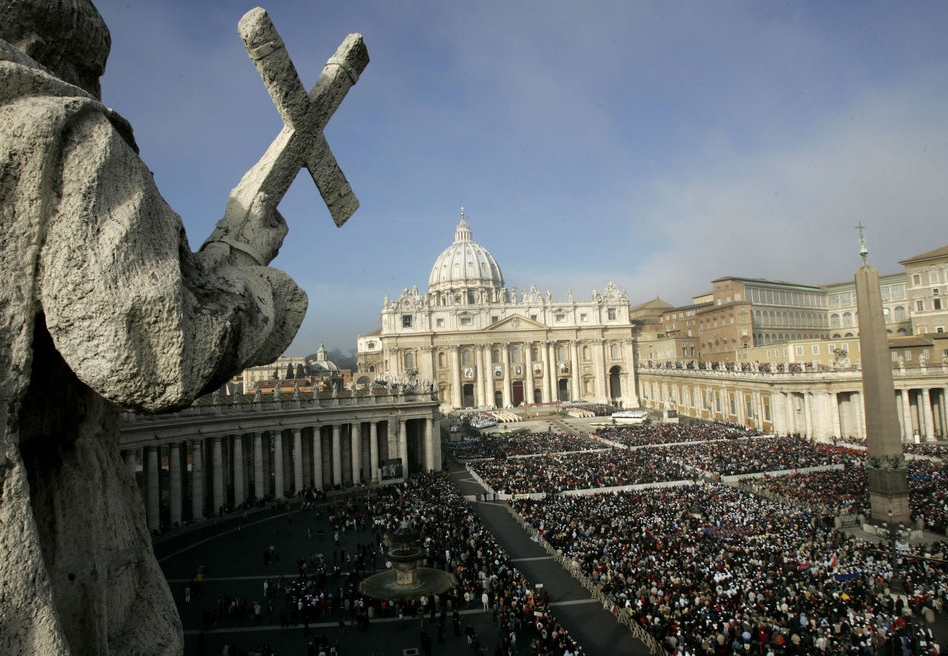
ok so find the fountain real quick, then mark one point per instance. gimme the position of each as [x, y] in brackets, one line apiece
[406, 579]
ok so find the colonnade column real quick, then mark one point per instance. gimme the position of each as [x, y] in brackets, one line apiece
[576, 392]
[403, 445]
[836, 428]
[374, 451]
[429, 446]
[131, 461]
[927, 414]
[239, 469]
[336, 455]
[259, 487]
[278, 481]
[907, 430]
[808, 413]
[153, 489]
[298, 483]
[174, 472]
[355, 438]
[859, 414]
[217, 473]
[317, 458]
[197, 481]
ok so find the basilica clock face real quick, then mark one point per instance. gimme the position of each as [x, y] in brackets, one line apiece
[469, 372]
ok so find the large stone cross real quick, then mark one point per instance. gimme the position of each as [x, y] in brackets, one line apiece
[301, 142]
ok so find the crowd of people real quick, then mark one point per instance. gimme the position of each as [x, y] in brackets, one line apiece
[667, 433]
[558, 472]
[712, 569]
[326, 588]
[517, 443]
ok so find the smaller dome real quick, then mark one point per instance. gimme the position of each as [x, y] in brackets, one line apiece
[465, 264]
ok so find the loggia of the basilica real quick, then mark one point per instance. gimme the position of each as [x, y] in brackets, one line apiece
[781, 357]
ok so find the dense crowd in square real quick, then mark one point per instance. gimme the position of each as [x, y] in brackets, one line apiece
[712, 569]
[558, 472]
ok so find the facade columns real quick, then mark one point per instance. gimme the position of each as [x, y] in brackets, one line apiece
[374, 451]
[576, 391]
[528, 394]
[505, 355]
[355, 439]
[153, 489]
[197, 481]
[455, 355]
[336, 455]
[278, 471]
[599, 364]
[486, 377]
[174, 491]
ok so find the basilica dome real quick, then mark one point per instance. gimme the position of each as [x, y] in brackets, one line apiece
[465, 264]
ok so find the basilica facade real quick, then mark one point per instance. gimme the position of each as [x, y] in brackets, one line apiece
[478, 343]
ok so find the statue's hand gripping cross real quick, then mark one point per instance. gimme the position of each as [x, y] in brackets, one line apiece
[301, 142]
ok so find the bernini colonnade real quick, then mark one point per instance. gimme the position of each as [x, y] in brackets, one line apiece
[222, 453]
[819, 405]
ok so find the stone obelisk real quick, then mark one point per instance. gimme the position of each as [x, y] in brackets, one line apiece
[888, 475]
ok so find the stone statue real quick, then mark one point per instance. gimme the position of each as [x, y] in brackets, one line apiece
[106, 308]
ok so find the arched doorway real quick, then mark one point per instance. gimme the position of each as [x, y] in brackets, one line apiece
[615, 383]
[467, 395]
[562, 389]
[517, 392]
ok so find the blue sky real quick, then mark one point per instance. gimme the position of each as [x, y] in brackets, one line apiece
[657, 145]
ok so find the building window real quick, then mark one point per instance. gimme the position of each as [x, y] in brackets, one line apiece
[933, 277]
[493, 318]
[515, 354]
[614, 351]
[611, 314]
[561, 353]
[465, 321]
[936, 304]
[495, 356]
[439, 323]
[559, 316]
[467, 357]
[899, 313]
[815, 349]
[409, 361]
[582, 317]
[799, 350]
[917, 279]
[371, 345]
[406, 321]
[920, 305]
